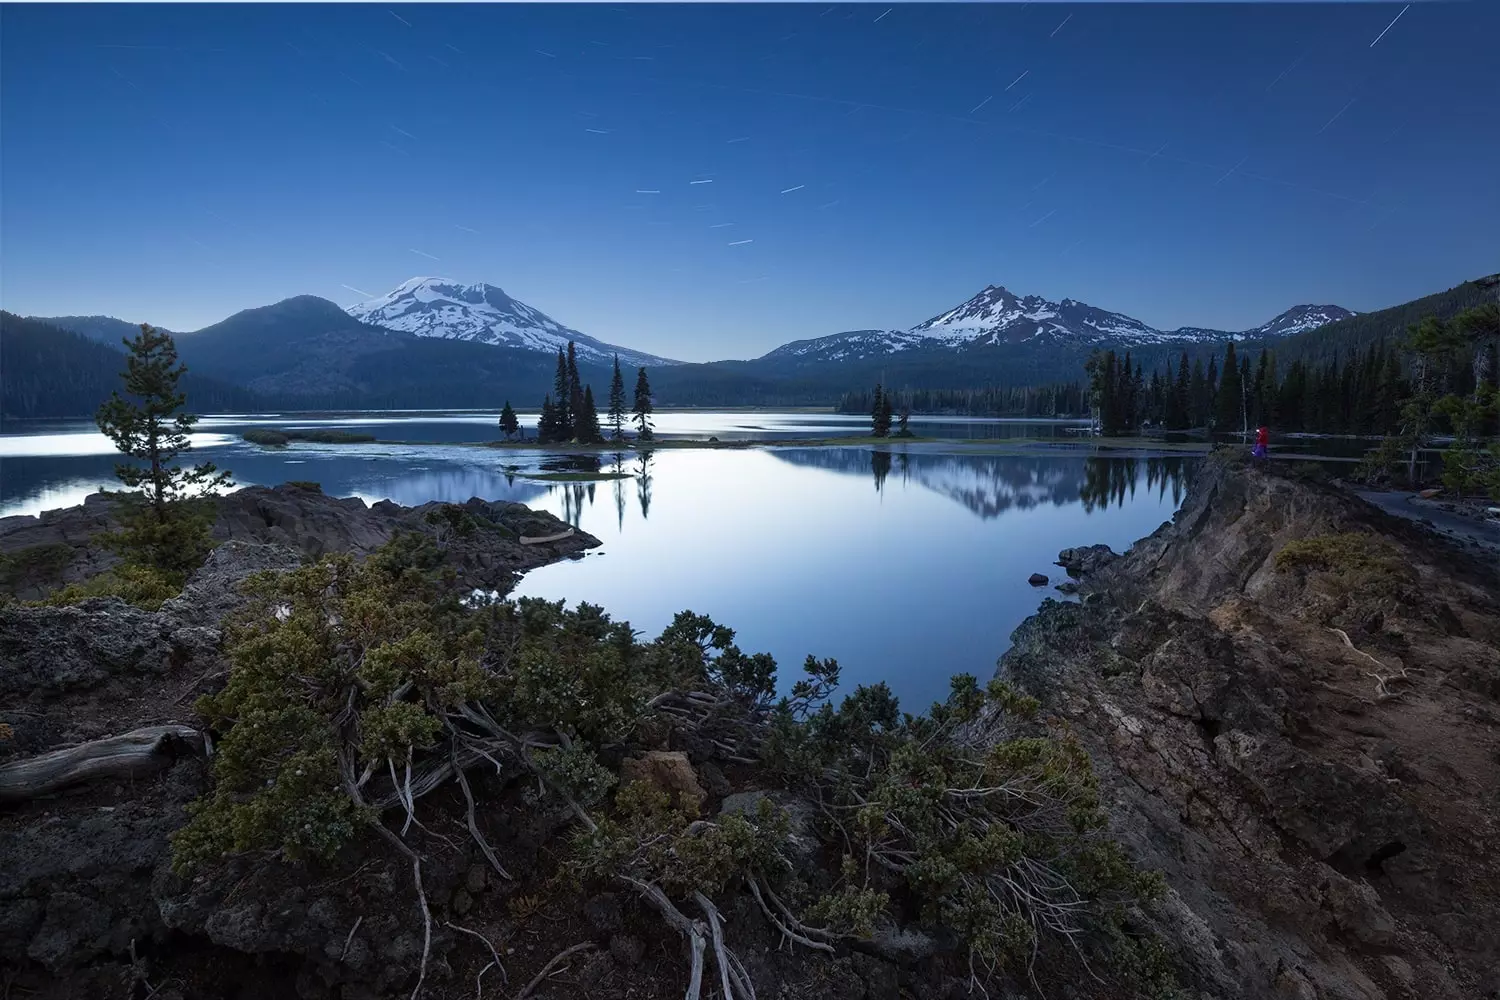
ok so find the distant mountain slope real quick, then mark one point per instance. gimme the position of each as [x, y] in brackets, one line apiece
[105, 329]
[484, 314]
[1358, 332]
[46, 371]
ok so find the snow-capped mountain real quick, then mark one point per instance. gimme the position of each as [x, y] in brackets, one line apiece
[854, 344]
[483, 313]
[1298, 319]
[997, 316]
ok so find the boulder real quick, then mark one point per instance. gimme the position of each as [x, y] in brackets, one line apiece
[670, 771]
[1037, 579]
[802, 846]
[1086, 559]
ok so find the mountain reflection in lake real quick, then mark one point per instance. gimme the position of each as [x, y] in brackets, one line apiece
[919, 578]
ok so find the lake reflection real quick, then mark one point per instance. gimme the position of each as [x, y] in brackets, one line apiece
[904, 566]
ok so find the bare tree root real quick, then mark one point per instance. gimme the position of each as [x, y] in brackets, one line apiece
[691, 930]
[791, 929]
[348, 940]
[484, 845]
[505, 977]
[732, 974]
[547, 969]
[1382, 681]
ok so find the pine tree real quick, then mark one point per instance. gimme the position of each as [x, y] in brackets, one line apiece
[642, 408]
[509, 425]
[562, 387]
[169, 535]
[549, 425]
[1228, 416]
[155, 430]
[880, 413]
[587, 429]
[575, 389]
[1177, 413]
[617, 404]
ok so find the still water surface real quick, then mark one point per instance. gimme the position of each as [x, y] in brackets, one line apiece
[905, 567]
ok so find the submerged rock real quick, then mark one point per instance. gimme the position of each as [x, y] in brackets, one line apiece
[1037, 579]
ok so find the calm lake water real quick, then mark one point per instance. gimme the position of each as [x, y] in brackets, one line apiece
[905, 567]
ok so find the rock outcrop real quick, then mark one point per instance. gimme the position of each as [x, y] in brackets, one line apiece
[85, 874]
[1308, 751]
[62, 546]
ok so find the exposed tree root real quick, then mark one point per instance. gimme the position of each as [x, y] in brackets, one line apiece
[547, 969]
[1382, 681]
[493, 953]
[791, 929]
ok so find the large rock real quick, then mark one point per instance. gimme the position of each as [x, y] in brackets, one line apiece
[1086, 559]
[1312, 825]
[670, 771]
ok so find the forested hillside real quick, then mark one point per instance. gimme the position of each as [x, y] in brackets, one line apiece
[49, 372]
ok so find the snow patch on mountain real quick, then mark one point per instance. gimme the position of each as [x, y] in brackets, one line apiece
[483, 313]
[998, 316]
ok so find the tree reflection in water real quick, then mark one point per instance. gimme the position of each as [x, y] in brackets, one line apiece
[880, 465]
[643, 483]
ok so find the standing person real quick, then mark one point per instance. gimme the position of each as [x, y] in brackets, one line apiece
[1262, 442]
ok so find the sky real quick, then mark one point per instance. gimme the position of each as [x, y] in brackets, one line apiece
[711, 181]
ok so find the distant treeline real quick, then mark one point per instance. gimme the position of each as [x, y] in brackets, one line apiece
[1064, 399]
[49, 372]
[1358, 392]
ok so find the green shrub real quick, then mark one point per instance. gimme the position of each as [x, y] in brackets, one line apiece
[274, 438]
[303, 484]
[142, 586]
[34, 564]
[347, 674]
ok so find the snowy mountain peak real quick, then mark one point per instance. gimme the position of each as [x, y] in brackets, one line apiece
[998, 316]
[483, 313]
[1300, 319]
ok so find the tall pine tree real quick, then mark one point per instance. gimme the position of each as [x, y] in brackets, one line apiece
[642, 408]
[575, 388]
[562, 388]
[586, 427]
[617, 403]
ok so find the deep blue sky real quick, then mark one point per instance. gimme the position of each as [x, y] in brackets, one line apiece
[1185, 164]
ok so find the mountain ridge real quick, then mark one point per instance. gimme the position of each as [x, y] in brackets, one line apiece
[483, 313]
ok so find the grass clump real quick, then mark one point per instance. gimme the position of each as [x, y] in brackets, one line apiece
[1349, 553]
[274, 438]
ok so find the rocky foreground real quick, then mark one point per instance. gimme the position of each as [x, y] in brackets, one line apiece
[1306, 747]
[1310, 753]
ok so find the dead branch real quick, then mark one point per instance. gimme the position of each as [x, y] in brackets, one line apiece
[358, 920]
[484, 845]
[691, 930]
[557, 960]
[732, 975]
[1382, 680]
[786, 931]
[486, 941]
[129, 755]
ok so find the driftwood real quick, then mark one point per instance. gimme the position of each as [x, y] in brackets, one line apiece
[130, 755]
[543, 539]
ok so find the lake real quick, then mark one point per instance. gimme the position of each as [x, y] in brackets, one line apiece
[904, 565]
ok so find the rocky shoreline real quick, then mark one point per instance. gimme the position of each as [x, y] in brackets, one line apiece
[1306, 752]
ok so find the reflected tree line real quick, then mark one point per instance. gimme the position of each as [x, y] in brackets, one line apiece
[987, 485]
[578, 495]
[991, 485]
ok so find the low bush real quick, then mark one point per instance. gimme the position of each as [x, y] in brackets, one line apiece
[34, 564]
[274, 438]
[357, 688]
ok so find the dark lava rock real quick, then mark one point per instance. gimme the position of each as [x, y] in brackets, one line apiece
[1037, 579]
[1086, 559]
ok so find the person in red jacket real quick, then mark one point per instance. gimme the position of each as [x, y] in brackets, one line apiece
[1262, 442]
